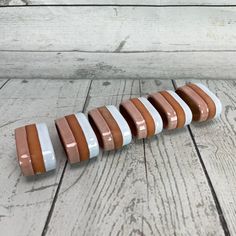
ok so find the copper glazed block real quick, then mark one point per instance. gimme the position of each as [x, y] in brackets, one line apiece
[110, 127]
[142, 117]
[173, 110]
[34, 149]
[77, 137]
[203, 103]
[167, 112]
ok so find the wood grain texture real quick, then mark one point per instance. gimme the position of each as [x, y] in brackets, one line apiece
[107, 194]
[115, 2]
[118, 29]
[153, 188]
[159, 190]
[25, 202]
[179, 198]
[118, 42]
[216, 143]
[149, 65]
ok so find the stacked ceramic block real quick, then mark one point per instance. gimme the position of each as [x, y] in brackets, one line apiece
[34, 149]
[110, 129]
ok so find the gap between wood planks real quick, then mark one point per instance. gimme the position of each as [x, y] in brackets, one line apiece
[44, 232]
[114, 5]
[144, 150]
[4, 83]
[118, 52]
[62, 175]
[213, 192]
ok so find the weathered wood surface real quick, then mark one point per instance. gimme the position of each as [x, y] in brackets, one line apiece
[106, 195]
[115, 2]
[161, 186]
[217, 145]
[2, 82]
[180, 200]
[147, 65]
[157, 190]
[118, 29]
[118, 42]
[25, 203]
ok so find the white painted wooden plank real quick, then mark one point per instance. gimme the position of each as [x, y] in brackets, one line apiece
[111, 195]
[115, 29]
[76, 65]
[25, 203]
[115, 2]
[180, 200]
[216, 143]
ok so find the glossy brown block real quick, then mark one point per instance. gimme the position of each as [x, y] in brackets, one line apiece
[177, 107]
[134, 118]
[79, 137]
[68, 140]
[146, 115]
[112, 124]
[23, 152]
[35, 149]
[197, 105]
[208, 100]
[167, 112]
[101, 129]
